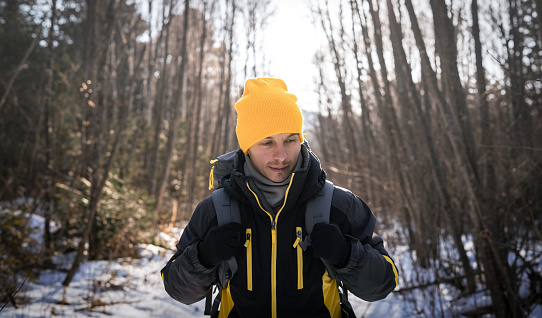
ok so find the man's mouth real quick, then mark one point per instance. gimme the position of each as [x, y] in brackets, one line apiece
[279, 169]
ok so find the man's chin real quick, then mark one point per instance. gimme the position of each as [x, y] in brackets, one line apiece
[278, 177]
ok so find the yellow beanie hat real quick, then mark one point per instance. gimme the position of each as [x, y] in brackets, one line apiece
[265, 109]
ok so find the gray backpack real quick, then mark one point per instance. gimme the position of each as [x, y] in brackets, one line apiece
[227, 210]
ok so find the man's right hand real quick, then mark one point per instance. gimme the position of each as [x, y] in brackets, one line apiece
[221, 243]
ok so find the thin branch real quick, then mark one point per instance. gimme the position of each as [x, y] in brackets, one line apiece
[24, 281]
[507, 70]
[510, 147]
[21, 66]
[450, 280]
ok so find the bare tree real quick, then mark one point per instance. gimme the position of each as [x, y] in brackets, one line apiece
[161, 99]
[453, 89]
[100, 34]
[367, 131]
[427, 133]
[222, 140]
[337, 52]
[329, 141]
[100, 165]
[198, 92]
[175, 115]
[256, 14]
[47, 100]
[521, 116]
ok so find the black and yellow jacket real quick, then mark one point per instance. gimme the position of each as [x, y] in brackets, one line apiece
[276, 278]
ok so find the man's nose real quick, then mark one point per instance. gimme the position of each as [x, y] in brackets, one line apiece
[280, 153]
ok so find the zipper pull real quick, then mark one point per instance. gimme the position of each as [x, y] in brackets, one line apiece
[298, 239]
[247, 242]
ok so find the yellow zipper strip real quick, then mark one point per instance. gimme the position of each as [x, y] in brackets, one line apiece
[248, 245]
[273, 246]
[274, 273]
[298, 232]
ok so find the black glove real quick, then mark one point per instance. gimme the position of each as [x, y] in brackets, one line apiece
[328, 242]
[221, 243]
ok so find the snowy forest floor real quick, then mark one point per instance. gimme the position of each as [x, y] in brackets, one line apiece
[133, 288]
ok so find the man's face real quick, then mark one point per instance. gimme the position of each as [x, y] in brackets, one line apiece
[275, 156]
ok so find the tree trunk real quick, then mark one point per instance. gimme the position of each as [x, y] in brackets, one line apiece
[377, 94]
[149, 79]
[488, 170]
[397, 148]
[352, 148]
[199, 97]
[159, 109]
[367, 144]
[455, 94]
[322, 135]
[328, 141]
[49, 142]
[226, 141]
[174, 122]
[522, 123]
[216, 142]
[101, 37]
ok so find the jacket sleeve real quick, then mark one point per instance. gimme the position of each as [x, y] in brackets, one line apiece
[370, 274]
[185, 278]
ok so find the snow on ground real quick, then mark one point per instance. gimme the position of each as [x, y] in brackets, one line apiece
[125, 288]
[131, 288]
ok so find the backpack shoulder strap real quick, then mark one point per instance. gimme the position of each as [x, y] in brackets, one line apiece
[319, 207]
[227, 210]
[317, 211]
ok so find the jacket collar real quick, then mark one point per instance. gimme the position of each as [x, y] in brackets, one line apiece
[308, 180]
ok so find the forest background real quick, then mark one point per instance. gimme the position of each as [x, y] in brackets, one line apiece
[430, 110]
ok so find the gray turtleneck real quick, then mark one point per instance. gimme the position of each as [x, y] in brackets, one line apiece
[273, 192]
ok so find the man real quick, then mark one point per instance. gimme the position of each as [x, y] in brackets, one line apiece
[274, 176]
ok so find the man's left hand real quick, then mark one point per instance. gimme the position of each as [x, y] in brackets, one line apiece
[328, 242]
